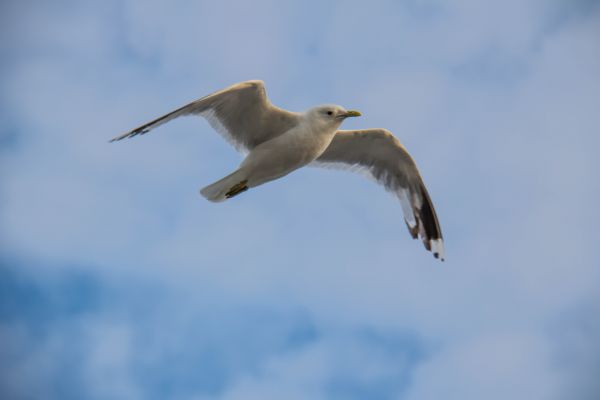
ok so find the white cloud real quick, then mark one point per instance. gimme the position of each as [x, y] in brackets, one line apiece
[509, 158]
[109, 363]
[498, 367]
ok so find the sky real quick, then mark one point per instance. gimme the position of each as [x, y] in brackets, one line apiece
[119, 281]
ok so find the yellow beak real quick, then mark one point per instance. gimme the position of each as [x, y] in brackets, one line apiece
[353, 113]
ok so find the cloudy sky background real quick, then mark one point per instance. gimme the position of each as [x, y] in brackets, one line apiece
[117, 280]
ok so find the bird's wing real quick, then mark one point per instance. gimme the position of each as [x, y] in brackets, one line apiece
[242, 113]
[379, 153]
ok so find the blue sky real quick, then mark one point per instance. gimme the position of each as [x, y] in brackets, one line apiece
[117, 280]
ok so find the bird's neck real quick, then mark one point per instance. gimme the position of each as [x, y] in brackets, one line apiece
[318, 127]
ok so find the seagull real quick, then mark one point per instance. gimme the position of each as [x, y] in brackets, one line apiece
[278, 142]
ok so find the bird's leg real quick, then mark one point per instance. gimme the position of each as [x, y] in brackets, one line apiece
[237, 189]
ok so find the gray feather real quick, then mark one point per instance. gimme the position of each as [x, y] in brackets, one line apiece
[241, 113]
[382, 156]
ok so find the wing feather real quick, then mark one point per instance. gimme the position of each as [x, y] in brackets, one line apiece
[241, 113]
[382, 156]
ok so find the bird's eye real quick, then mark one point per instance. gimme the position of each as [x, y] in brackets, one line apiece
[329, 112]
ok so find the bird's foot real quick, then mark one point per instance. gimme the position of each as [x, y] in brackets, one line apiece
[237, 189]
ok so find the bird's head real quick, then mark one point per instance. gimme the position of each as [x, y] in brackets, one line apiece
[331, 114]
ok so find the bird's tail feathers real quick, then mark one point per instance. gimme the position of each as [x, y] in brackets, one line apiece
[223, 189]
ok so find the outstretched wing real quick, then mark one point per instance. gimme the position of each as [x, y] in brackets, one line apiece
[242, 113]
[382, 155]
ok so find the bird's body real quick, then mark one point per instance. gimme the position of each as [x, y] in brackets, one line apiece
[289, 151]
[279, 142]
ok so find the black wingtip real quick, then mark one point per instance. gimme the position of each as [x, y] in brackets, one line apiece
[433, 239]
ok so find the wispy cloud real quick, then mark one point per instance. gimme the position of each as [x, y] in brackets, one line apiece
[119, 281]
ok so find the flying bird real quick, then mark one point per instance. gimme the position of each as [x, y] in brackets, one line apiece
[278, 142]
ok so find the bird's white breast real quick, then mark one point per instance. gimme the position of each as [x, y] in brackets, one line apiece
[291, 150]
[308, 140]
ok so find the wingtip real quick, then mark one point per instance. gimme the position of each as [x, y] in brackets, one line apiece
[437, 248]
[117, 138]
[128, 135]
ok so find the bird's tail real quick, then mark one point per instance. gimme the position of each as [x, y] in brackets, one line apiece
[232, 185]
